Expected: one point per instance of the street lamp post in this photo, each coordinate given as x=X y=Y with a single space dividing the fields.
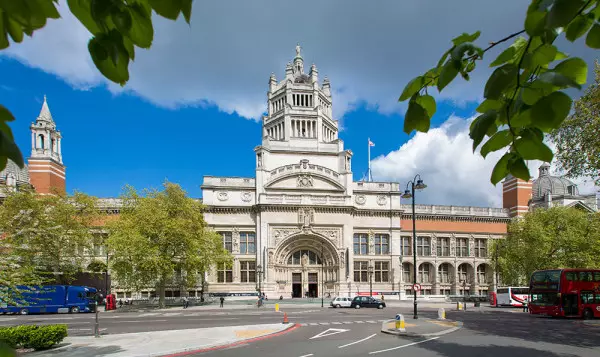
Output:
x=322 y=275
x=370 y=269
x=419 y=185
x=400 y=277
x=259 y=272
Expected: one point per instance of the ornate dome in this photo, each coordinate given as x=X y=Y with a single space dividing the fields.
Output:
x=557 y=186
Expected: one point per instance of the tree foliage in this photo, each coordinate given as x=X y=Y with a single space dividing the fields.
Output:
x=117 y=28
x=46 y=237
x=558 y=237
x=524 y=100
x=160 y=239
x=578 y=138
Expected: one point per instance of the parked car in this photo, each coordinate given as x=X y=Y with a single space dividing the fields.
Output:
x=366 y=301
x=341 y=302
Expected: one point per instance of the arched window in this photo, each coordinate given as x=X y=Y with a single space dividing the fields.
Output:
x=424 y=273
x=406 y=272
x=481 y=274
x=296 y=258
x=444 y=273
x=41 y=141
x=462 y=273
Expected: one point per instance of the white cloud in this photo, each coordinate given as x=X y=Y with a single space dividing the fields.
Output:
x=454 y=174
x=369 y=50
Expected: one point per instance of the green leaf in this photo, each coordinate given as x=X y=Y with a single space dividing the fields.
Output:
x=501 y=79
x=511 y=53
x=5 y=114
x=427 y=102
x=574 y=68
x=563 y=12
x=8 y=148
x=448 y=73
x=110 y=56
x=123 y=21
x=560 y=55
x=518 y=168
x=550 y=111
x=579 y=27
x=168 y=9
x=411 y=88
x=522 y=119
x=459 y=51
x=186 y=10
x=593 y=37
x=3 y=37
x=500 y=170
x=496 y=142
x=83 y=11
x=465 y=37
x=488 y=104
x=481 y=125
x=535 y=23
x=416 y=118
x=543 y=55
x=14 y=30
x=530 y=147
x=142 y=32
x=443 y=58
x=558 y=80
x=531 y=95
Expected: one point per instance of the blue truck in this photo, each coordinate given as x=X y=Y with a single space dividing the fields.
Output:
x=51 y=299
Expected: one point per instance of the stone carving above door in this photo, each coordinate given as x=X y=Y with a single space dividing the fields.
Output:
x=306 y=217
x=222 y=196
x=381 y=200
x=360 y=199
x=246 y=196
x=305 y=181
x=282 y=233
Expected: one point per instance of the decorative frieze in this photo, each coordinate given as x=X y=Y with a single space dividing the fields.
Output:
x=382 y=200
x=246 y=196
x=360 y=199
x=222 y=196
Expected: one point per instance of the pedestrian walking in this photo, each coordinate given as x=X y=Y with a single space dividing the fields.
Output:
x=185 y=302
x=525 y=307
x=222 y=299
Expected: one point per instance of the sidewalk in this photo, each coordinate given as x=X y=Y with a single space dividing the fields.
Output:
x=163 y=343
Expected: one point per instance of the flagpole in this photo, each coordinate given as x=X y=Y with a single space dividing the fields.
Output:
x=369 y=178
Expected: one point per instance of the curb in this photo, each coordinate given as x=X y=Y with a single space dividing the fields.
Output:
x=414 y=334
x=194 y=350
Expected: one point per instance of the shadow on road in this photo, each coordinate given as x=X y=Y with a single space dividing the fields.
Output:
x=80 y=351
x=530 y=328
x=457 y=350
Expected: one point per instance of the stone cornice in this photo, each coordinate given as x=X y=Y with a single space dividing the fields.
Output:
x=457 y=218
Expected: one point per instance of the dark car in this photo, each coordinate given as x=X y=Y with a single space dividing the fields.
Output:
x=366 y=301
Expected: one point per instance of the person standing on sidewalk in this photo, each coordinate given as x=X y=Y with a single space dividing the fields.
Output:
x=222 y=300
x=185 y=302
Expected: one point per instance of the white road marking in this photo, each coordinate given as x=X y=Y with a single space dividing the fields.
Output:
x=323 y=323
x=313 y=323
x=359 y=322
x=371 y=322
x=410 y=344
x=359 y=341
x=149 y=314
x=308 y=355
x=336 y=323
x=172 y=314
x=347 y=322
x=329 y=332
x=145 y=321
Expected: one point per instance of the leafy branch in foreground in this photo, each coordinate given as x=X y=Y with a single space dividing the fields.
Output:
x=524 y=100
x=117 y=26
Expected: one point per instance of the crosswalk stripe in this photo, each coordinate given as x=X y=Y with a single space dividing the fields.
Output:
x=323 y=323
x=359 y=322
x=371 y=322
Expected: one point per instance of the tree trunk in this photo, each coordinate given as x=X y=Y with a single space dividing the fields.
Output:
x=161 y=294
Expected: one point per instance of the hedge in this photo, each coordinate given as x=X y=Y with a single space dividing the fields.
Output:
x=33 y=336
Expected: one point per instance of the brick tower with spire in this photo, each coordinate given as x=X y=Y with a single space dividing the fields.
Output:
x=46 y=168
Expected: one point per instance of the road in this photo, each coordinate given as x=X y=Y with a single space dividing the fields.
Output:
x=346 y=332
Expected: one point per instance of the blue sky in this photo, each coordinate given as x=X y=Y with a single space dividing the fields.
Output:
x=111 y=140
x=192 y=103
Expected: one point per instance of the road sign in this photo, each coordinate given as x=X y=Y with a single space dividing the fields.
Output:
x=417 y=287
x=329 y=332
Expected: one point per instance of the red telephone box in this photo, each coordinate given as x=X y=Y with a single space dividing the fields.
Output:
x=111 y=302
x=493 y=298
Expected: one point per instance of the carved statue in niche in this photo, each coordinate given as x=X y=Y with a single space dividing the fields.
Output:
x=304 y=260
x=306 y=217
x=235 y=238
x=259 y=159
x=433 y=246
x=304 y=163
x=342 y=257
x=371 y=242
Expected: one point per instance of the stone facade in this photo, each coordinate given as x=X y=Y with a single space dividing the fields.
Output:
x=303 y=226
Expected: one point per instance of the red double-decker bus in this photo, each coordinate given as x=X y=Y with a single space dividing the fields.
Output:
x=565 y=292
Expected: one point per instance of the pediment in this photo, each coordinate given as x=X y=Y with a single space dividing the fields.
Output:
x=581 y=206
x=305 y=181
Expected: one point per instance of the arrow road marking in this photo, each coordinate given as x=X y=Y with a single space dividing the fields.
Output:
x=410 y=344
x=329 y=332
x=359 y=341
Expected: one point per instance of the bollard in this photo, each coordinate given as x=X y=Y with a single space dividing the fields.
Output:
x=441 y=314
x=458 y=306
x=96 y=325
x=400 y=323
x=276 y=307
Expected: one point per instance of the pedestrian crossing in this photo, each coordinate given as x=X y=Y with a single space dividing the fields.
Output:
x=341 y=322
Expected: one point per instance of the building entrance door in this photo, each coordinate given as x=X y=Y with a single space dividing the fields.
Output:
x=313 y=285
x=296 y=285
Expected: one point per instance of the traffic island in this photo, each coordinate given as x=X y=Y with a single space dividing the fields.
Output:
x=421 y=327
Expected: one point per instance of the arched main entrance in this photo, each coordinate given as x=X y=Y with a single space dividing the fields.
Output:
x=307 y=265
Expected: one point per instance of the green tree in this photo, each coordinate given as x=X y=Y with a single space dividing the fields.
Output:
x=524 y=100
x=117 y=28
x=160 y=239
x=578 y=138
x=46 y=237
x=96 y=266
x=559 y=237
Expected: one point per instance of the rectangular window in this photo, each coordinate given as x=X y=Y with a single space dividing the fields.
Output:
x=462 y=247
x=423 y=246
x=571 y=276
x=248 y=271
x=443 y=273
x=596 y=276
x=585 y=276
x=227 y=241
x=406 y=272
x=424 y=273
x=480 y=248
x=247 y=243
x=443 y=247
x=361 y=272
x=361 y=243
x=382 y=272
x=224 y=273
x=405 y=246
x=382 y=244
